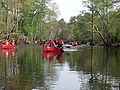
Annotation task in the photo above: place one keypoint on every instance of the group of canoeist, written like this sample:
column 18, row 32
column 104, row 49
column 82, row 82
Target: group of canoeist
column 58, row 43
column 6, row 42
column 51, row 43
column 73, row 43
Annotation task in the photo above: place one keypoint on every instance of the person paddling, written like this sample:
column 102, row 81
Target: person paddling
column 5, row 42
column 13, row 42
column 75, row 43
column 52, row 43
column 60, row 43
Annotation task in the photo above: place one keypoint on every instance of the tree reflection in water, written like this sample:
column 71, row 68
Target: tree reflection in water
column 29, row 68
column 10, row 69
column 103, row 78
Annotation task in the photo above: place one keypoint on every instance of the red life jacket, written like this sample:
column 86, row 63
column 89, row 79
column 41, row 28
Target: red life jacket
column 5, row 42
column 60, row 42
column 52, row 44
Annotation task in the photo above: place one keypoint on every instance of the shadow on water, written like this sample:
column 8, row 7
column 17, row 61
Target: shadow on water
column 29, row 68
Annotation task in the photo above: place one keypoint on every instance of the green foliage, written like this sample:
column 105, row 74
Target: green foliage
column 27, row 17
column 102, row 15
column 36, row 19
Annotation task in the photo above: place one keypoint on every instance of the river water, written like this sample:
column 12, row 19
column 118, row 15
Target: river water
column 85, row 68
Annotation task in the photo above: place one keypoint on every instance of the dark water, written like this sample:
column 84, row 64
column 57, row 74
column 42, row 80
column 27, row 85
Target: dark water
column 90, row 68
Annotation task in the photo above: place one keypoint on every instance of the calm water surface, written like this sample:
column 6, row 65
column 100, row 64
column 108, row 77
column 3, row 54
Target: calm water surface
column 86, row 68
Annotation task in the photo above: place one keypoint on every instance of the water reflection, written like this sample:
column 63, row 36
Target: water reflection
column 52, row 56
column 91, row 68
column 101, row 65
column 9, row 69
column 8, row 52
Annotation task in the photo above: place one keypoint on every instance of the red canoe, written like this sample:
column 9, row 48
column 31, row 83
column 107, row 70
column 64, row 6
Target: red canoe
column 8, row 46
column 51, row 49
